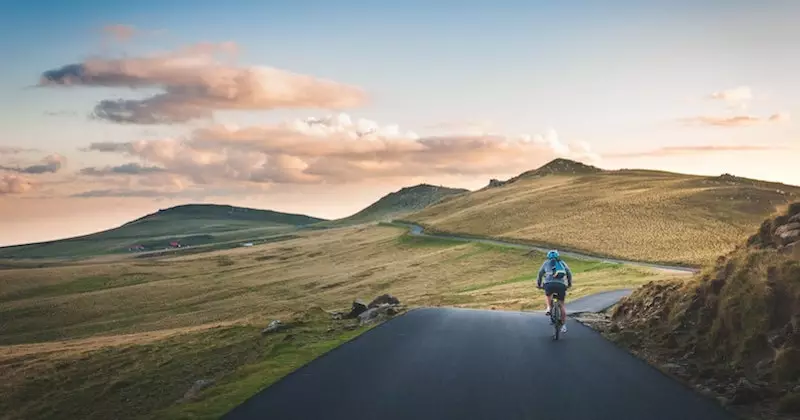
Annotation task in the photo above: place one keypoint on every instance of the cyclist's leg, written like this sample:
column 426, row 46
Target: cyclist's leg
column 548, row 297
column 562, row 296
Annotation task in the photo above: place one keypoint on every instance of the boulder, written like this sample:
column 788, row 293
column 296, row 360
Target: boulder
column 377, row 314
column 790, row 236
column 274, row 326
column 198, row 386
column 384, row 300
column 493, row 183
column 783, row 229
column 357, row 309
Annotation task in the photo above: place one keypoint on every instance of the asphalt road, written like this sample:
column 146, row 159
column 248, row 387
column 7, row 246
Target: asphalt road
column 437, row 363
column 417, row 230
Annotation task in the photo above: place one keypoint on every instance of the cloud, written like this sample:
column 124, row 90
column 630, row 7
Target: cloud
column 50, row 164
column 780, row 117
column 338, row 149
column 125, row 169
column 11, row 150
column 735, row 97
column 687, row 150
column 14, row 184
column 120, row 32
column 194, row 83
column 736, row 120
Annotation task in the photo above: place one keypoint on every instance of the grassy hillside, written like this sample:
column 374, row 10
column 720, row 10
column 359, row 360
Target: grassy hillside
column 635, row 214
column 733, row 330
column 151, row 328
column 192, row 225
column 397, row 204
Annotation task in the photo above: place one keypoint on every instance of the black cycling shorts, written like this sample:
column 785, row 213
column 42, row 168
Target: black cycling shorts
column 559, row 290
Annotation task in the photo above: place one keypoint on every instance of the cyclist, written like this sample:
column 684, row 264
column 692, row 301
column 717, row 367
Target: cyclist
column 557, row 279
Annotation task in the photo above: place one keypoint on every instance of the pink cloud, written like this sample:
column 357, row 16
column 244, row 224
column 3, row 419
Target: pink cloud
column 195, row 83
column 14, row 184
column 338, row 149
column 736, row 120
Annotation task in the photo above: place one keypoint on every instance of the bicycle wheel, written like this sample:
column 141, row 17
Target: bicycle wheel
column 556, row 314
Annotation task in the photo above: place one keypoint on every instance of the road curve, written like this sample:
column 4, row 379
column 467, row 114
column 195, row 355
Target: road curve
column 417, row 230
column 437, row 363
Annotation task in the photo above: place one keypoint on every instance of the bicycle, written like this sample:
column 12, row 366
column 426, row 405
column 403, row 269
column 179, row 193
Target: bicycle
column 555, row 316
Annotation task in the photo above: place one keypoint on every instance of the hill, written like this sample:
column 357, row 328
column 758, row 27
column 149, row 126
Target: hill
column 732, row 330
column 180, row 226
column 634, row 214
column 399, row 203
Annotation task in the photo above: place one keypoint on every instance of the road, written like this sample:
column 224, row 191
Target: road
column 417, row 230
column 438, row 363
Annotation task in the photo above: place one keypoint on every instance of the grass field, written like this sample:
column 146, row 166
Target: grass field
column 128, row 338
column 631, row 214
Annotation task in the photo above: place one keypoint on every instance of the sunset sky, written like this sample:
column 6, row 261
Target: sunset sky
column 111, row 110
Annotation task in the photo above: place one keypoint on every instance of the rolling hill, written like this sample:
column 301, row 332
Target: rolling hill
column 187, row 225
column 642, row 215
column 397, row 204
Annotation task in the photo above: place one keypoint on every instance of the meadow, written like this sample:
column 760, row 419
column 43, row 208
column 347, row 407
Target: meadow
column 128, row 338
column 630, row 214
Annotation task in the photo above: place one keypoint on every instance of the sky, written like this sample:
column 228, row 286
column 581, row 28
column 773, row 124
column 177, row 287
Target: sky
column 112, row 110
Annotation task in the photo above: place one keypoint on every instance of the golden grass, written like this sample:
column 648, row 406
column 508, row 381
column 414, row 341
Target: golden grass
column 638, row 215
column 78, row 324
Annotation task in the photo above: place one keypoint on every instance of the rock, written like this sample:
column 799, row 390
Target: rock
column 783, row 229
column 791, row 248
column 671, row 367
column 274, row 326
column 377, row 314
column 383, row 299
column 795, row 218
column 357, row 309
column 791, row 236
column 494, row 183
column 745, row 393
column 337, row 316
column 723, row 401
column 198, row 386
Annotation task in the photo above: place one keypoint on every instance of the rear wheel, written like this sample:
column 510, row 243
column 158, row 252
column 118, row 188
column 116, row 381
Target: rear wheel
column 556, row 317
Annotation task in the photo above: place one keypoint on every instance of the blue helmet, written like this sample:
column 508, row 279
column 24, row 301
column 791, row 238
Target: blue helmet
column 553, row 254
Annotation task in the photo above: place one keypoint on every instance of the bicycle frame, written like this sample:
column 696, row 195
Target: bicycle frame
column 555, row 317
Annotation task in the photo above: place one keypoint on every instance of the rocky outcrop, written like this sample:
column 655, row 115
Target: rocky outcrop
column 780, row 232
column 379, row 309
column 494, row 183
column 384, row 300
column 733, row 331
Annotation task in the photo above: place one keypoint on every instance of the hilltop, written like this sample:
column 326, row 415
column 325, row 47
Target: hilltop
column 634, row 214
column 733, row 329
column 180, row 226
column 559, row 166
column 399, row 203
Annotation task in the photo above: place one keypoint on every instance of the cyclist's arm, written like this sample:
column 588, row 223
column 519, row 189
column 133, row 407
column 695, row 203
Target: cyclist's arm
column 541, row 274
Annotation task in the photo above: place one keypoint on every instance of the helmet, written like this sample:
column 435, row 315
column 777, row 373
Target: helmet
column 552, row 254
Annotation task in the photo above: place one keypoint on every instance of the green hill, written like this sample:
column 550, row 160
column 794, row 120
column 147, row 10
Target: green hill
column 186, row 225
column 399, row 203
column 634, row 214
